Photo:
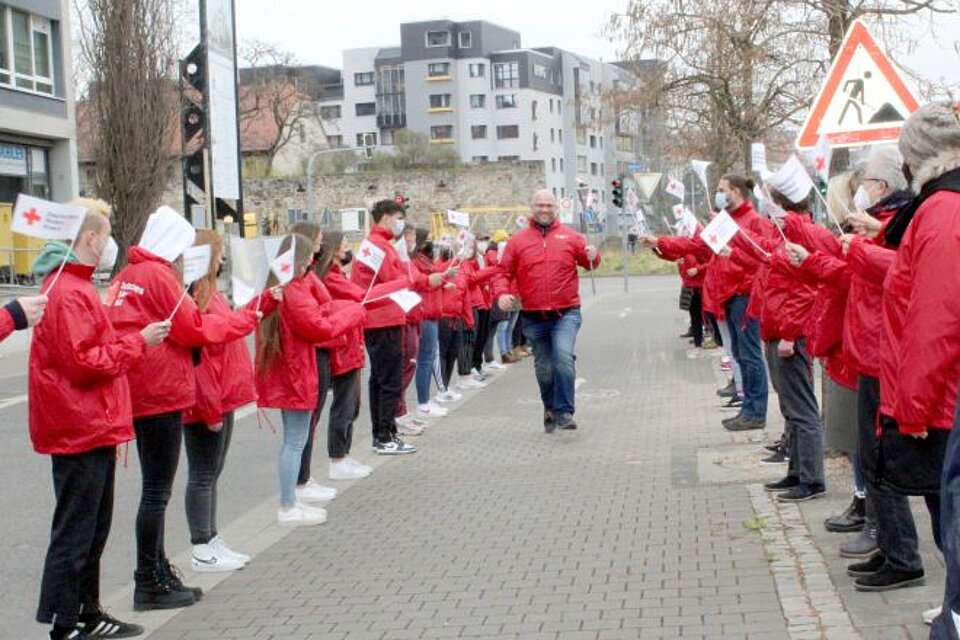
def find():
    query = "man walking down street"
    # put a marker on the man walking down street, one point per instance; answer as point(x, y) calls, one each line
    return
point(542, 261)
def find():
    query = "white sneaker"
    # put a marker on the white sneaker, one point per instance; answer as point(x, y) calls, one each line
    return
point(409, 429)
point(478, 375)
point(395, 447)
point(494, 366)
point(471, 383)
point(207, 559)
point(930, 614)
point(300, 515)
point(431, 410)
point(359, 465)
point(220, 545)
point(694, 354)
point(410, 420)
point(448, 396)
point(313, 491)
point(342, 470)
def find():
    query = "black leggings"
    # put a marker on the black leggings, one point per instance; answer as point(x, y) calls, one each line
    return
point(451, 341)
point(696, 316)
point(158, 448)
point(343, 413)
point(714, 327)
point(206, 453)
point(481, 321)
point(323, 373)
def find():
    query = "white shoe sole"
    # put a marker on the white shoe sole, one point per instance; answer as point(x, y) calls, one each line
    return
point(200, 567)
point(348, 476)
point(300, 523)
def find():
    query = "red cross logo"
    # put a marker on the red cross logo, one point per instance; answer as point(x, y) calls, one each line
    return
point(821, 163)
point(366, 252)
point(714, 239)
point(31, 216)
point(284, 267)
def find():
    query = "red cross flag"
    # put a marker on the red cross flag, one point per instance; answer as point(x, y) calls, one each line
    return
point(719, 232)
point(821, 158)
point(675, 188)
point(282, 265)
point(47, 220)
point(371, 255)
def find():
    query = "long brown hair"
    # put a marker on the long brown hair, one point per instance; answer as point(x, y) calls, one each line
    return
point(331, 247)
point(269, 348)
point(306, 228)
point(206, 287)
point(742, 184)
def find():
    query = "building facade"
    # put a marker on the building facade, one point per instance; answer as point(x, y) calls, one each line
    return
point(38, 151)
point(471, 85)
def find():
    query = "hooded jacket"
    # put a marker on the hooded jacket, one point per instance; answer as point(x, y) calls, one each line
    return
point(385, 313)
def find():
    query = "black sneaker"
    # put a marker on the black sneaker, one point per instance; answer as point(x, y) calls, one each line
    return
point(688, 334)
point(549, 421)
point(850, 520)
point(731, 420)
point(745, 424)
point(789, 482)
point(395, 447)
point(803, 492)
point(887, 579)
point(151, 592)
point(103, 625)
point(777, 457)
point(776, 446)
point(736, 402)
point(173, 577)
point(566, 422)
point(871, 566)
point(729, 391)
point(71, 634)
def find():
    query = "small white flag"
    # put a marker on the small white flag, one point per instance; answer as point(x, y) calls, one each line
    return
point(282, 265)
point(405, 299)
point(521, 221)
point(687, 225)
point(242, 292)
point(720, 231)
point(47, 220)
point(758, 157)
point(196, 263)
point(677, 211)
point(675, 188)
point(632, 199)
point(700, 168)
point(821, 158)
point(458, 218)
point(792, 180)
point(371, 255)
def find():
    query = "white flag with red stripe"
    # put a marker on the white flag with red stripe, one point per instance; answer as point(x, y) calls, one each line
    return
point(371, 255)
point(821, 158)
point(47, 220)
point(282, 265)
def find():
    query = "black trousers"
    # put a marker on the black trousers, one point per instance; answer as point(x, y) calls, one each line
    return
point(465, 357)
point(323, 386)
point(385, 348)
point(714, 327)
point(481, 322)
point(158, 448)
point(696, 316)
point(343, 413)
point(83, 485)
point(450, 341)
point(206, 455)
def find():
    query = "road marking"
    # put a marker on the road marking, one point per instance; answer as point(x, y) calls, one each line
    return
point(245, 411)
point(11, 402)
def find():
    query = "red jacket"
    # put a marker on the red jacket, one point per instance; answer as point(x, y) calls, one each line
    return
point(147, 290)
point(385, 313)
point(79, 395)
point(7, 325)
point(477, 279)
point(291, 382)
point(920, 363)
point(544, 265)
point(691, 261)
point(432, 304)
point(722, 277)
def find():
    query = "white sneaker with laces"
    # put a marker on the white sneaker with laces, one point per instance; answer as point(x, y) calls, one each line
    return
point(206, 559)
point(930, 614)
point(300, 515)
point(220, 544)
point(471, 383)
point(431, 410)
point(409, 429)
point(313, 491)
point(359, 465)
point(342, 470)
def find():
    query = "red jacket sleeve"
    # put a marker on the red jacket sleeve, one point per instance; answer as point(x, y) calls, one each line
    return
point(501, 284)
point(6, 324)
point(580, 252)
point(870, 261)
point(821, 268)
point(673, 248)
point(83, 356)
point(312, 322)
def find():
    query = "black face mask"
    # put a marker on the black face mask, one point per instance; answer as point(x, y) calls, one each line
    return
point(427, 249)
point(316, 256)
point(347, 257)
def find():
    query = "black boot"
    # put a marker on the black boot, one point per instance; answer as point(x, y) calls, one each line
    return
point(172, 576)
point(850, 520)
point(151, 592)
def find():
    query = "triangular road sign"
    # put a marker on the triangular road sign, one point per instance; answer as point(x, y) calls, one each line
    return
point(863, 99)
point(648, 183)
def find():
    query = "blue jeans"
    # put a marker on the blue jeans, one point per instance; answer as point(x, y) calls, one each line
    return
point(747, 351)
point(425, 359)
point(296, 426)
point(505, 333)
point(725, 331)
point(950, 533)
point(554, 341)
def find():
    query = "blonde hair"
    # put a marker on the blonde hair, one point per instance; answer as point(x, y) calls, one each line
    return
point(840, 191)
point(97, 212)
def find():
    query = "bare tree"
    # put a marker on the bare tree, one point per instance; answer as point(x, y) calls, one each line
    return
point(128, 48)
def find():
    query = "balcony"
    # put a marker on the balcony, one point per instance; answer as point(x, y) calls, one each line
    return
point(392, 121)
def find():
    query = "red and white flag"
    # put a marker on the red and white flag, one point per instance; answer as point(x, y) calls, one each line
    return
point(821, 158)
point(282, 265)
point(47, 220)
point(371, 255)
point(675, 188)
point(719, 232)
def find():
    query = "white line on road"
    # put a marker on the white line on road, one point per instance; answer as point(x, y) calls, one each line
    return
point(11, 402)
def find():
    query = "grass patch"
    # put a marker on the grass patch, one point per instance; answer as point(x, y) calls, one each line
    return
point(755, 524)
point(643, 263)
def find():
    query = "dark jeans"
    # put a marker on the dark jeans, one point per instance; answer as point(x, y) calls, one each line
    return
point(696, 316)
point(554, 343)
point(950, 527)
point(798, 403)
point(343, 413)
point(714, 327)
point(83, 486)
point(323, 375)
point(465, 357)
point(411, 346)
point(206, 453)
point(481, 318)
point(386, 375)
point(158, 448)
point(426, 356)
point(746, 349)
point(450, 341)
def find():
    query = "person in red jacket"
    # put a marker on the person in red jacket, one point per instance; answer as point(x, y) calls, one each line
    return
point(21, 313)
point(147, 289)
point(543, 259)
point(692, 273)
point(432, 308)
point(80, 410)
point(383, 331)
point(224, 379)
point(286, 372)
point(451, 327)
point(408, 423)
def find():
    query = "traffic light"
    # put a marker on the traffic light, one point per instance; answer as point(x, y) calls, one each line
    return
point(617, 193)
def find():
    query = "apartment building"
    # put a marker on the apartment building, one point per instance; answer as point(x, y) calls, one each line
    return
point(472, 86)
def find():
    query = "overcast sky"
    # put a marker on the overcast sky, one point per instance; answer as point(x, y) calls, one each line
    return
point(317, 32)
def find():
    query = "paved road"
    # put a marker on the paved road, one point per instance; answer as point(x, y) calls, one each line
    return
point(648, 522)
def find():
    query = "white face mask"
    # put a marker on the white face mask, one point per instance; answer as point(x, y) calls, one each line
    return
point(108, 257)
point(398, 227)
point(482, 246)
point(861, 199)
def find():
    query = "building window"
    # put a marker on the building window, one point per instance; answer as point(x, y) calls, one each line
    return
point(478, 101)
point(391, 97)
point(601, 141)
point(302, 132)
point(26, 53)
point(581, 135)
point(440, 101)
point(331, 112)
point(363, 79)
point(506, 75)
point(366, 108)
point(367, 139)
point(593, 168)
point(563, 192)
point(536, 142)
point(551, 105)
point(582, 164)
point(561, 165)
point(508, 158)
point(438, 69)
point(553, 165)
point(438, 38)
point(559, 107)
point(553, 135)
point(507, 131)
point(334, 142)
point(506, 101)
point(533, 109)
point(441, 132)
point(554, 192)
point(593, 142)
point(560, 135)
point(602, 169)
point(477, 70)
point(539, 71)
point(386, 137)
point(478, 132)
point(480, 159)
point(466, 39)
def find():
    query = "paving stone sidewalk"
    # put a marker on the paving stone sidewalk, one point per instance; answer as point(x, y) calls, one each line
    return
point(645, 523)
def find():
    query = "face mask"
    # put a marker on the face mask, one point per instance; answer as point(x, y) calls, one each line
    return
point(427, 249)
point(861, 199)
point(398, 227)
point(108, 257)
point(720, 200)
point(347, 257)
point(501, 246)
point(482, 246)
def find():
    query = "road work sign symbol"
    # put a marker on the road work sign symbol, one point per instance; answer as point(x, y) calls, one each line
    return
point(863, 99)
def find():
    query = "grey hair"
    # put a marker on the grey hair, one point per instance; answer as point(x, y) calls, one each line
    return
point(930, 141)
point(885, 163)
